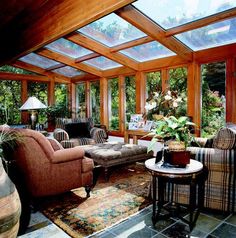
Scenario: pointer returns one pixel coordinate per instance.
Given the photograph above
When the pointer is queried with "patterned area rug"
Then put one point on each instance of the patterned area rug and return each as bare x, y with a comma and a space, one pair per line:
110, 202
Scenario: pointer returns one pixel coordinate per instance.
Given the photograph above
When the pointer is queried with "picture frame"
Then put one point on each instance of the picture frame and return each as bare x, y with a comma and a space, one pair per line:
148, 126
136, 117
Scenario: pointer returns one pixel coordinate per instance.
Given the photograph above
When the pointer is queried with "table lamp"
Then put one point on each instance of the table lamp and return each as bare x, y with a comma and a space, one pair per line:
32, 104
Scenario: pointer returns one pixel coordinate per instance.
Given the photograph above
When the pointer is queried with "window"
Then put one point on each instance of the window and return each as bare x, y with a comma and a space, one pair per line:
40, 91
153, 83
81, 100
10, 102
95, 101
113, 103
213, 98
178, 85
130, 96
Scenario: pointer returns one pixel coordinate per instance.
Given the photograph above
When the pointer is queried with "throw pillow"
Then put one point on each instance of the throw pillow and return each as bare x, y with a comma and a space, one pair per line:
78, 129
55, 144
225, 139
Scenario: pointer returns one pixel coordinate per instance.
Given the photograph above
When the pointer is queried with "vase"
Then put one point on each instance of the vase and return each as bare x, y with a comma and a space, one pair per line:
10, 206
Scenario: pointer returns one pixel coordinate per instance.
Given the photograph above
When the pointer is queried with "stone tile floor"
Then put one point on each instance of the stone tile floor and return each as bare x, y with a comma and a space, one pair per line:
208, 225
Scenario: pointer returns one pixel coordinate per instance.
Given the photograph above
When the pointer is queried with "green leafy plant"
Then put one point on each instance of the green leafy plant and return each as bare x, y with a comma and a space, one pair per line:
172, 128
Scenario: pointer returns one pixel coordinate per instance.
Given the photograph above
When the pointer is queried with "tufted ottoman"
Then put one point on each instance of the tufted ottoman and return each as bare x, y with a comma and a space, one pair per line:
111, 154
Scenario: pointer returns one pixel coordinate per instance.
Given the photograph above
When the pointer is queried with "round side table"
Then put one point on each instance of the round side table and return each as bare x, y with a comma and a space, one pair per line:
193, 175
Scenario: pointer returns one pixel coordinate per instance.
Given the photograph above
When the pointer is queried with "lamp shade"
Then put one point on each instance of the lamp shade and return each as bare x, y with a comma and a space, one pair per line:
32, 103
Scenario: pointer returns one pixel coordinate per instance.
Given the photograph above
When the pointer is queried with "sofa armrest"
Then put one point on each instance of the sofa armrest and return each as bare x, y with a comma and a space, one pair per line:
87, 164
98, 134
66, 155
215, 159
60, 134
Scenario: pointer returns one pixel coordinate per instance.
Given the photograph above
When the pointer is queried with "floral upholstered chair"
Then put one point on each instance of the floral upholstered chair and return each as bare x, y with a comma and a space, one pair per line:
74, 132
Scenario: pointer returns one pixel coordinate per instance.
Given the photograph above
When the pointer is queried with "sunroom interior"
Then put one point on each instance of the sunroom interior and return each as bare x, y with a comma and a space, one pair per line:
106, 59
92, 48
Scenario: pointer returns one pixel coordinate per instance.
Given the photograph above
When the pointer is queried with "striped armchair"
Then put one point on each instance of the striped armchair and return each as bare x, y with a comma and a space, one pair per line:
219, 156
96, 135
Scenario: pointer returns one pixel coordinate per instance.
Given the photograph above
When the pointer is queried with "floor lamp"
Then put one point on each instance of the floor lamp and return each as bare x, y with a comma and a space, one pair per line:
32, 105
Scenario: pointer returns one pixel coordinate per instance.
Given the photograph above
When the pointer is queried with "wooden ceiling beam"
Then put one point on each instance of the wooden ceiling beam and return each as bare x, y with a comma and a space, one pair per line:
93, 45
132, 43
143, 23
201, 22
12, 76
66, 60
57, 77
58, 66
51, 21
118, 71
84, 77
86, 57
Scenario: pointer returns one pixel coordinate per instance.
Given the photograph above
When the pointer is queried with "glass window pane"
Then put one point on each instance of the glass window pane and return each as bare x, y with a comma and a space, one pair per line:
40, 91
10, 102
148, 51
171, 13
153, 88
102, 63
213, 98
68, 48
220, 33
95, 101
39, 61
68, 71
15, 70
81, 100
178, 87
112, 30
130, 95
113, 103
61, 96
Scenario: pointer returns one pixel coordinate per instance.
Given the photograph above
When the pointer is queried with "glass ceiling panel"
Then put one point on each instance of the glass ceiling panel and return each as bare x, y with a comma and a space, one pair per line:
111, 30
102, 63
68, 71
220, 33
171, 13
68, 48
39, 61
148, 51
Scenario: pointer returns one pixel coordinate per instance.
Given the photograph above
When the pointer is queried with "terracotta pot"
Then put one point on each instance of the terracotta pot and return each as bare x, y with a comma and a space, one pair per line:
10, 206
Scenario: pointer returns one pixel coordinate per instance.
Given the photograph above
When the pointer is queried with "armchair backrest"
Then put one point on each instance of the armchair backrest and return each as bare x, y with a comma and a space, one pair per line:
60, 122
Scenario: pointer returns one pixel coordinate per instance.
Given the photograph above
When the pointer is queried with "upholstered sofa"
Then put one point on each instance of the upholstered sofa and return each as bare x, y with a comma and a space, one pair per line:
74, 132
219, 156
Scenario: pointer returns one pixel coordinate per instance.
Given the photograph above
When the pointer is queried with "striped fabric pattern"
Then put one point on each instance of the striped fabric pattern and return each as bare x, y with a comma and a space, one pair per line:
220, 185
99, 135
60, 135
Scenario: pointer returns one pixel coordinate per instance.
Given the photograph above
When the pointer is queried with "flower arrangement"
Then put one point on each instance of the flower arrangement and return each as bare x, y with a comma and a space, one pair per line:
164, 103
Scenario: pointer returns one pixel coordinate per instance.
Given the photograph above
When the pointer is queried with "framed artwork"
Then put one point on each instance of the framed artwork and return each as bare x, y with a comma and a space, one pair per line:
136, 118
133, 126
148, 126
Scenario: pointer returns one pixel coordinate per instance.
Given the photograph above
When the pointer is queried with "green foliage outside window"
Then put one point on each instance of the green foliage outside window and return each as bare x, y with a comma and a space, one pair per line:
81, 101
130, 94
113, 100
213, 98
95, 101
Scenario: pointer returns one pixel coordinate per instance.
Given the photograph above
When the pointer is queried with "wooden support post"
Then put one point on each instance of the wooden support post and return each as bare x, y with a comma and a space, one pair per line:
140, 92
72, 99
51, 92
87, 99
104, 102
24, 96
122, 103
230, 89
164, 79
194, 95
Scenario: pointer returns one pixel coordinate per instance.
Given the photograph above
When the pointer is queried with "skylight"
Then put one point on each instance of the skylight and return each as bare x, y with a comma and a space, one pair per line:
68, 71
39, 61
111, 30
217, 34
148, 51
171, 13
68, 48
102, 63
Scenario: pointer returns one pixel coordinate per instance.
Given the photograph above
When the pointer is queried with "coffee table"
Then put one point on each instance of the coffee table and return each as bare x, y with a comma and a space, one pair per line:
193, 175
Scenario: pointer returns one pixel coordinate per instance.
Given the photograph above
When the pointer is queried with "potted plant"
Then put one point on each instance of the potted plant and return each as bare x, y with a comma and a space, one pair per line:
176, 133
11, 210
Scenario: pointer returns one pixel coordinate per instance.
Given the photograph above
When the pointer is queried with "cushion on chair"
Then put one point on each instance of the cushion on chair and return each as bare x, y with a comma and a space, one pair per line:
225, 139
55, 144
78, 129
